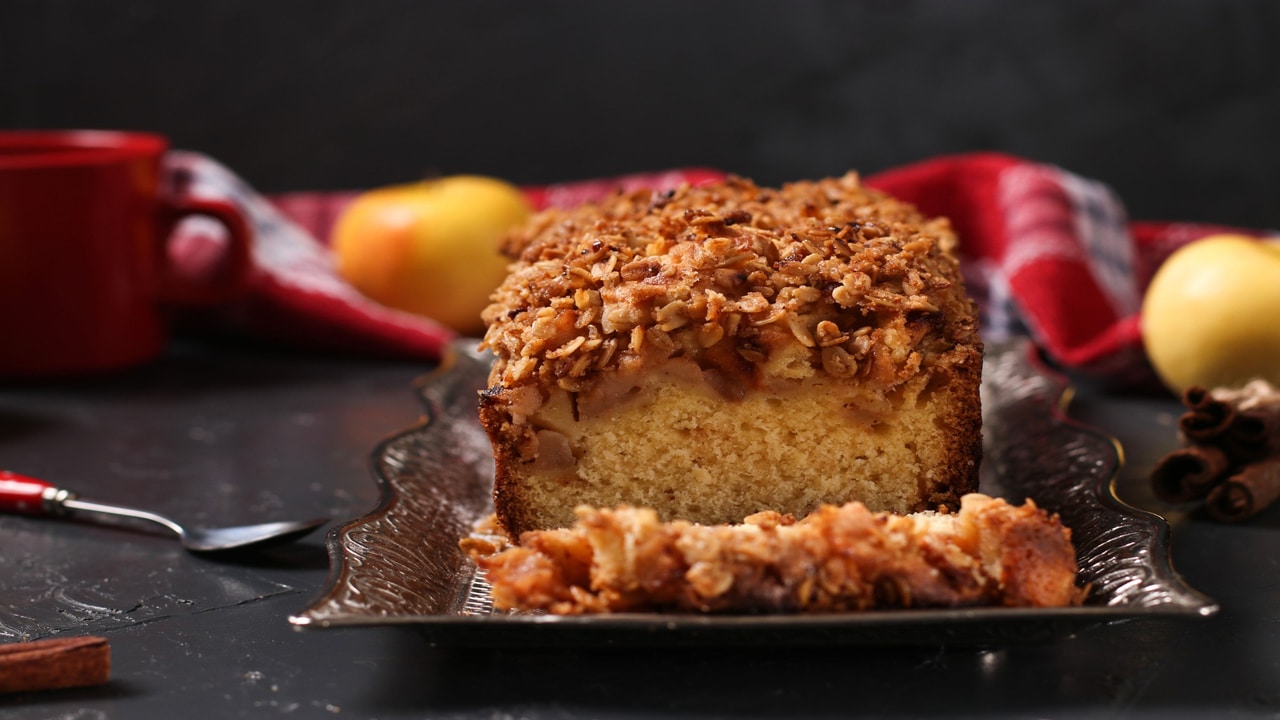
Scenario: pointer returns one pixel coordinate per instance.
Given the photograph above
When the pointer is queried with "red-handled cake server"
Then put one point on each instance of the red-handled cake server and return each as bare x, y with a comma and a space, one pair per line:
30, 496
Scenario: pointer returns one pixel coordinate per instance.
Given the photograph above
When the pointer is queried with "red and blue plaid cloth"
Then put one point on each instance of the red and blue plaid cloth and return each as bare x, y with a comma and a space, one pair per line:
1046, 253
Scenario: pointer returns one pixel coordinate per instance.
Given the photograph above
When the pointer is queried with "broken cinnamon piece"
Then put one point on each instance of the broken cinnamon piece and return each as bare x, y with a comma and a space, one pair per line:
53, 664
1189, 473
1253, 394
1246, 493
1254, 433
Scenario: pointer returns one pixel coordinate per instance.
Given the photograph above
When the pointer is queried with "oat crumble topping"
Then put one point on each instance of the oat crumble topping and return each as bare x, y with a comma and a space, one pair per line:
753, 282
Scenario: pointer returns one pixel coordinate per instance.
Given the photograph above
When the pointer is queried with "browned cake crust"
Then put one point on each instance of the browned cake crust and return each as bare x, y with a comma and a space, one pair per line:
755, 289
837, 559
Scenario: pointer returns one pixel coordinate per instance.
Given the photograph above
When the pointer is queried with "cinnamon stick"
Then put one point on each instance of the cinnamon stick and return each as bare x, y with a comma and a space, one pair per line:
1189, 473
1254, 431
1195, 396
1246, 493
1231, 457
1207, 418
1253, 434
56, 663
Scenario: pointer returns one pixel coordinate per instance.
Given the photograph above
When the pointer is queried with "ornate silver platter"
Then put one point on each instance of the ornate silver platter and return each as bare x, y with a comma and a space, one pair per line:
400, 565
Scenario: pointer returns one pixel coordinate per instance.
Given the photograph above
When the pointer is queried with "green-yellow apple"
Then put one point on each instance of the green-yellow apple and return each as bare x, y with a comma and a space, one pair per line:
1211, 316
430, 247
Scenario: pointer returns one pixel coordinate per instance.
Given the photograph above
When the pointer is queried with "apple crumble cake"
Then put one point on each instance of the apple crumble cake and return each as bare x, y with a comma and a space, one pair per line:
716, 351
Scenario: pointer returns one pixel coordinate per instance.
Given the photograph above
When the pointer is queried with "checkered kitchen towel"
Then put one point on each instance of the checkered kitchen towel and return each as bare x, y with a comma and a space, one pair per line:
1046, 253
1049, 254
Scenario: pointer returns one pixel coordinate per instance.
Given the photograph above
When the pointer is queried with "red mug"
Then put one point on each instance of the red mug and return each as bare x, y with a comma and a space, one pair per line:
85, 276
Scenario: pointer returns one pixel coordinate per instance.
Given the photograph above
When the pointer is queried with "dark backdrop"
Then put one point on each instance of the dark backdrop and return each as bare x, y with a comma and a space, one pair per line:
1175, 103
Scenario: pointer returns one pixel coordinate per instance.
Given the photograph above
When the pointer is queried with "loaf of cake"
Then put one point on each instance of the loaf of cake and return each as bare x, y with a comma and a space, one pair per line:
712, 352
837, 559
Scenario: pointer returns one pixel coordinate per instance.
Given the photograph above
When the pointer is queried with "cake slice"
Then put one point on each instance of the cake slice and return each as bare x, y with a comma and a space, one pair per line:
717, 351
837, 559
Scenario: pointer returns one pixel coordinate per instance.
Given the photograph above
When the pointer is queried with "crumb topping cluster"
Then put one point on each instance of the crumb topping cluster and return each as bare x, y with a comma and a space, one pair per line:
836, 559
815, 276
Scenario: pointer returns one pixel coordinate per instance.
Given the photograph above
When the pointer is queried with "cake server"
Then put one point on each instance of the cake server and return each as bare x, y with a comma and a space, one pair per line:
30, 496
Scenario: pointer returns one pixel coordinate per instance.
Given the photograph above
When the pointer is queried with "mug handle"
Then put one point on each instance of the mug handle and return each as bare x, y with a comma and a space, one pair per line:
232, 275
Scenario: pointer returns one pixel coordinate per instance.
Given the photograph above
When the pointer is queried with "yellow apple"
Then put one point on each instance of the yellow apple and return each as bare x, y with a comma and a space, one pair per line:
1211, 316
430, 247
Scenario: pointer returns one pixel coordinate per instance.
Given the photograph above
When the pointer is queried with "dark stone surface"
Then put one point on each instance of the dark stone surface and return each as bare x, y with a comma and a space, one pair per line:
217, 434
1170, 101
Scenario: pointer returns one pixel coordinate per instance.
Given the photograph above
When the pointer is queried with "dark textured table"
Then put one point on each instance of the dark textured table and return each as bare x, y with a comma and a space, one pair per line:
219, 435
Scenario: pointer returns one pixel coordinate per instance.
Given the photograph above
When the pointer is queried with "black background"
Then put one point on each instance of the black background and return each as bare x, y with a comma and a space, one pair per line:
1172, 102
